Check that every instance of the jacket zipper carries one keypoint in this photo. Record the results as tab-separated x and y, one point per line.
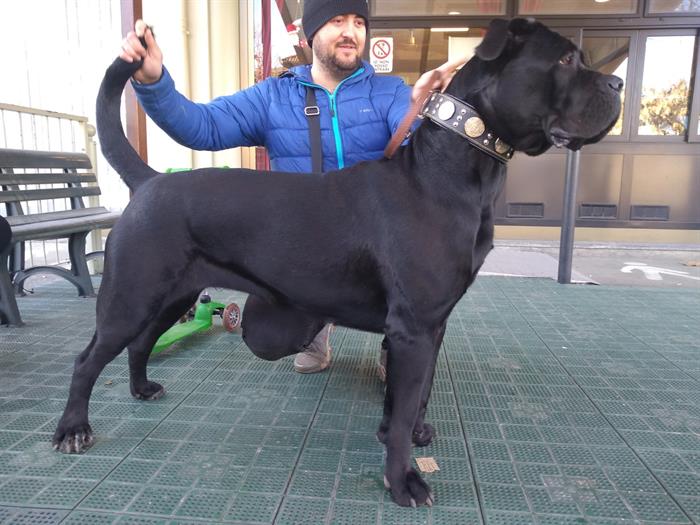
334	114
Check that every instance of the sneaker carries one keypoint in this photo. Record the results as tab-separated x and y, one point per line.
381	363
317	355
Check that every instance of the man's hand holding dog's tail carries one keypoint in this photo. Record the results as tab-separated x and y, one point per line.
152	57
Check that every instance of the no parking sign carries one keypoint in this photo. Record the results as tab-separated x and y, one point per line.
381	54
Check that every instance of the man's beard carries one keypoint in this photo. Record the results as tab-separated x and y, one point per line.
335	66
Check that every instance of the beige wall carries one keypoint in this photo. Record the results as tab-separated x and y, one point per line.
208	51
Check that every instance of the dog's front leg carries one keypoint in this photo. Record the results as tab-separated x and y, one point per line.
409	363
423	433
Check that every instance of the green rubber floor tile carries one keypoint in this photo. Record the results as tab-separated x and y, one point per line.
453	494
288	437
606	505
451	469
448	516
392	514
66	493
530	453
691	506
495	472
326	439
249	508
156	449
266	480
490	450
544	500
508	518
312	484
279	457
143	520
534	474
362	463
299	510
19	491
503	497
204	504
354	513
362	442
134	470
111	496
321	460
363	487
681	483
293	419
157	500
90	518
656	507
28	516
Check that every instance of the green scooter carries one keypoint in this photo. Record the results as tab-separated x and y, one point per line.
201	319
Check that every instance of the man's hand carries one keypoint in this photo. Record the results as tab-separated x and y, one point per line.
152	67
436	79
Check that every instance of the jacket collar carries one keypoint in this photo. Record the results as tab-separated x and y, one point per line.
303	73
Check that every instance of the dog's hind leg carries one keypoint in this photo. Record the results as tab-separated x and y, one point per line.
140	348
73	433
273	331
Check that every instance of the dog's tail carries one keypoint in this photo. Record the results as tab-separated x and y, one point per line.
113	142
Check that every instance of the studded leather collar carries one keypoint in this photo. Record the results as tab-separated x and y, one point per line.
458	116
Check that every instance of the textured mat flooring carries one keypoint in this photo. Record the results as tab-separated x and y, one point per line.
553	405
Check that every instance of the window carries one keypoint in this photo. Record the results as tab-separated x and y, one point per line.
576	7
437	7
663	109
674	6
421	49
609	55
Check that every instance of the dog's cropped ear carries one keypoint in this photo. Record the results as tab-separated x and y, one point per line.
494	41
500	32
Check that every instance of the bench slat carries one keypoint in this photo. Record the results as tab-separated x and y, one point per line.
37	195
18	158
45	178
62	227
16	220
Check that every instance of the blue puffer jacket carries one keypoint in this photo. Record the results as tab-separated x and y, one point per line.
357	120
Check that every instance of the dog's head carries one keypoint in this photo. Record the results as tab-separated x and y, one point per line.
535	91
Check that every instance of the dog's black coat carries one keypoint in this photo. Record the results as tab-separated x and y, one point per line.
387	246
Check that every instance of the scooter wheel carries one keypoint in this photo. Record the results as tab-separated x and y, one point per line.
232	317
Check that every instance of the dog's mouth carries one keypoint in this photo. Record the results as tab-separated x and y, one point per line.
558	137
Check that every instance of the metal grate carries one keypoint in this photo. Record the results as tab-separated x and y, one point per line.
644	212
597	211
526	209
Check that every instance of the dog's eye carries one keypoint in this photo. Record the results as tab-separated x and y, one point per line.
567	59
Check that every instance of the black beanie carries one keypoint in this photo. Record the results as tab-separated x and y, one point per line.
318	12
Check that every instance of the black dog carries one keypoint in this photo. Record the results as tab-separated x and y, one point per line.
387	246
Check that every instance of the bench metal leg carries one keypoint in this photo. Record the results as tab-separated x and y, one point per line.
78	275
78	264
9	312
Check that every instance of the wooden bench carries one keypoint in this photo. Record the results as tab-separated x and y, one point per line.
44	182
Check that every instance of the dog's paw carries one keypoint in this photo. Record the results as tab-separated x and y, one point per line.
424	436
410	490
73	440
149	391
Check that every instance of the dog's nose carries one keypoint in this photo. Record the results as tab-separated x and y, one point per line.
615	83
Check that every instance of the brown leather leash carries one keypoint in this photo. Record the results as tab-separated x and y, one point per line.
416	108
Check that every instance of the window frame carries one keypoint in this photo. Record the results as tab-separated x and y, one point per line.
638	79
694	118
649	13
630	86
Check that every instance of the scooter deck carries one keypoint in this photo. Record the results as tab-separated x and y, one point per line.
202	321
